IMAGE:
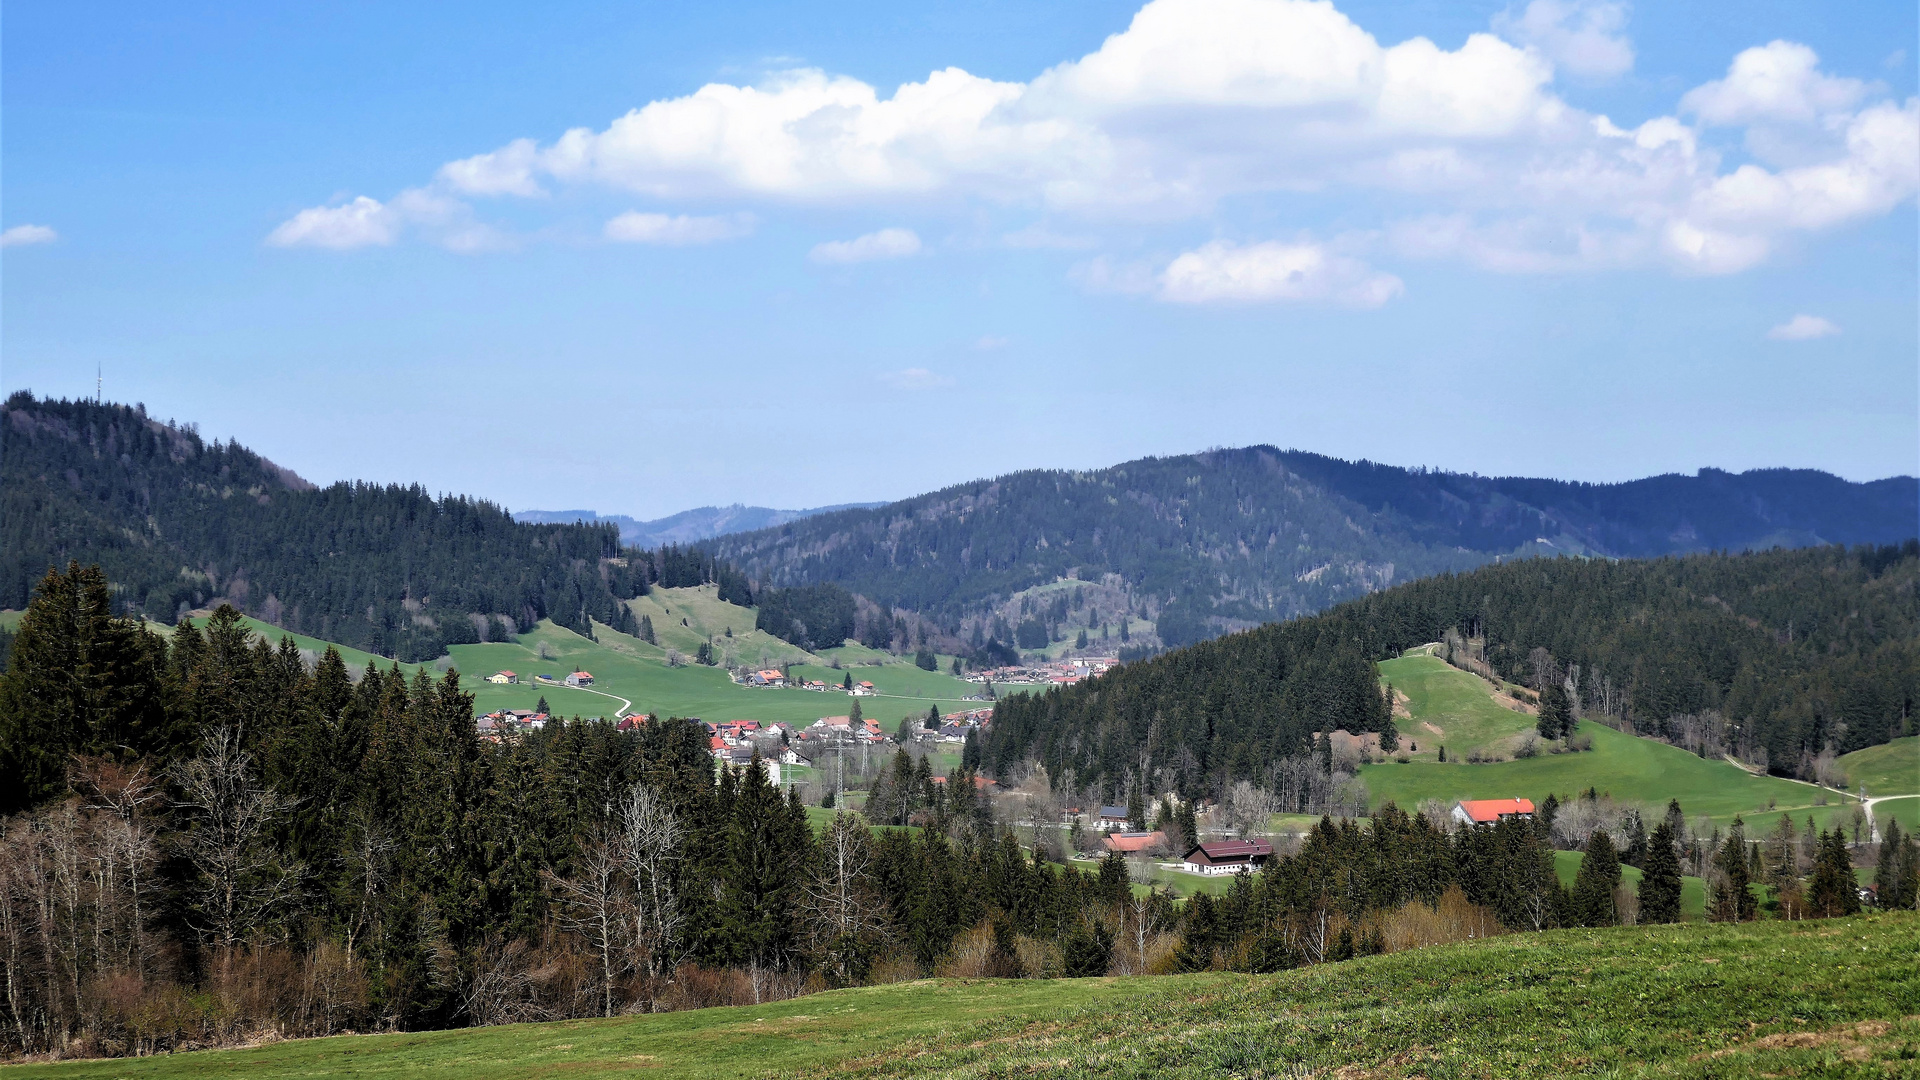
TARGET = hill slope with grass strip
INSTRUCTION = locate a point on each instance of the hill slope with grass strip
(1635, 771)
(1741, 1000)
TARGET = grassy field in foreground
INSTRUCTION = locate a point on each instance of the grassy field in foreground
(1749, 1000)
(1826, 998)
(1890, 769)
(750, 1041)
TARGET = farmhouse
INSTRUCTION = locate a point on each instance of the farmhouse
(1227, 857)
(580, 678)
(1129, 843)
(503, 677)
(1111, 818)
(1490, 811)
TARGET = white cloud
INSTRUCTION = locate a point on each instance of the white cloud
(1779, 81)
(1581, 37)
(1803, 328)
(1221, 272)
(360, 223)
(634, 227)
(915, 378)
(1200, 105)
(885, 244)
(21, 235)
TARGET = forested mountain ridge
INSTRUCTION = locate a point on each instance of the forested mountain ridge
(1227, 538)
(1783, 657)
(179, 523)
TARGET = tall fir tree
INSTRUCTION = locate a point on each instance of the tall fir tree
(1594, 884)
(1660, 882)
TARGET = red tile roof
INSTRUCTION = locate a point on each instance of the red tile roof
(1486, 811)
(1124, 842)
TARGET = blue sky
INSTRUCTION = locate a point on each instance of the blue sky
(793, 255)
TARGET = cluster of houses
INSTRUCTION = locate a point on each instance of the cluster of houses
(508, 678)
(504, 723)
(775, 678)
(1055, 673)
(955, 725)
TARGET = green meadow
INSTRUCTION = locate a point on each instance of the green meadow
(1635, 771)
(1696, 1000)
(1889, 769)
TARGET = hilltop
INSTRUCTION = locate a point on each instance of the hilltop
(1226, 539)
(687, 526)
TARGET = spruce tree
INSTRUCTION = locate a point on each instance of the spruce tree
(1593, 885)
(970, 751)
(933, 718)
(1660, 878)
(1833, 890)
(1897, 879)
(541, 706)
(1731, 899)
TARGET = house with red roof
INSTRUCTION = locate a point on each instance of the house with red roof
(1227, 857)
(1132, 843)
(579, 678)
(1490, 811)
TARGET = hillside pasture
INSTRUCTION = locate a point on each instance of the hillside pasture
(1452, 708)
(1888, 769)
(1635, 771)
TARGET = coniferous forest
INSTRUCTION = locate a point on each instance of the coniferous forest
(180, 524)
(1780, 656)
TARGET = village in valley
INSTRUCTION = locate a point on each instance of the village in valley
(835, 758)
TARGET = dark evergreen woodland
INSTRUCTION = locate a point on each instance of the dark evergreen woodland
(1219, 540)
(1786, 654)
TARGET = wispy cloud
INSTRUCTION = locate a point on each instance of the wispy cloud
(915, 378)
(634, 227)
(885, 244)
(1273, 272)
(1803, 328)
(22, 235)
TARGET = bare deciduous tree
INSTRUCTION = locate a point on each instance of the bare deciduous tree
(652, 845)
(843, 916)
(241, 881)
(593, 904)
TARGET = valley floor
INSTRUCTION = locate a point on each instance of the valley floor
(1825, 998)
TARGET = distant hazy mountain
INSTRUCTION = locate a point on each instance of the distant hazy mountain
(687, 526)
(1213, 541)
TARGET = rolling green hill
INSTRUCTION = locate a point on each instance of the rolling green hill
(1889, 769)
(1696, 1000)
(627, 668)
(1635, 771)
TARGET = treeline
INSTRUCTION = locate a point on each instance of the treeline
(179, 523)
(1793, 653)
(1194, 720)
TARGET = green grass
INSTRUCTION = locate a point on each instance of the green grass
(748, 1041)
(1905, 811)
(628, 668)
(1693, 890)
(1459, 704)
(1889, 769)
(1695, 1000)
(1814, 999)
(1636, 771)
